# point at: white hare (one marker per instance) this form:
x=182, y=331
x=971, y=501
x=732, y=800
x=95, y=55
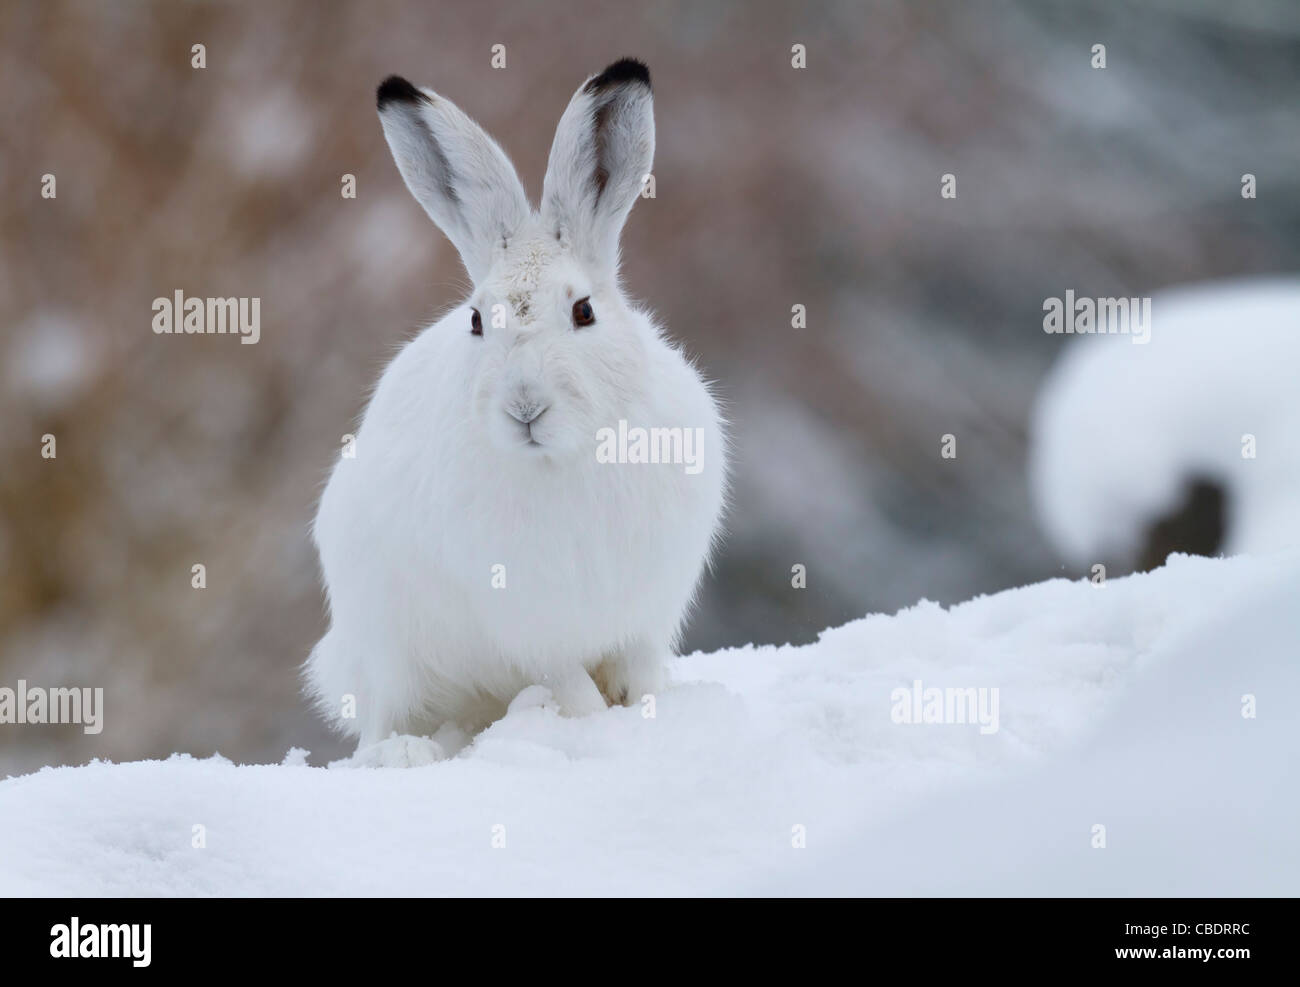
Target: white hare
x=480, y=540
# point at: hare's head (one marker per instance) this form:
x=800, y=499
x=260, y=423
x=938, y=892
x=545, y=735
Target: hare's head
x=556, y=351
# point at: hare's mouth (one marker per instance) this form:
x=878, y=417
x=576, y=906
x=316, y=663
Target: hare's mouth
x=524, y=422
x=529, y=439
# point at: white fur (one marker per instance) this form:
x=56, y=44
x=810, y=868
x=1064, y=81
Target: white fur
x=601, y=561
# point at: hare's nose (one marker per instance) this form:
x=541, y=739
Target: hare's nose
x=526, y=412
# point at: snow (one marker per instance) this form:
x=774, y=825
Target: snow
x=1120, y=426
x=1119, y=704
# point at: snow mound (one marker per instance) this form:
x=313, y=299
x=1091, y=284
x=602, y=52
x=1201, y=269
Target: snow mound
x=1121, y=426
x=778, y=769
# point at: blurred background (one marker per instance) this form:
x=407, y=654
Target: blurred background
x=775, y=187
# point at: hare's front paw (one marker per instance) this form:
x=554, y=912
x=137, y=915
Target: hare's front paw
x=625, y=679
x=572, y=694
x=398, y=751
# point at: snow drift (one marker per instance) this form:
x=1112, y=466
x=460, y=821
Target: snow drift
x=1120, y=426
x=778, y=770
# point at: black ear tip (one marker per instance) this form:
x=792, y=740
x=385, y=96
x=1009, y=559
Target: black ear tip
x=395, y=89
x=623, y=71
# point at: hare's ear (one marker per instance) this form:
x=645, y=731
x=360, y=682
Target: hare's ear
x=457, y=172
x=603, y=150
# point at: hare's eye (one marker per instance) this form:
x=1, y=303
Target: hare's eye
x=583, y=313
x=476, y=323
